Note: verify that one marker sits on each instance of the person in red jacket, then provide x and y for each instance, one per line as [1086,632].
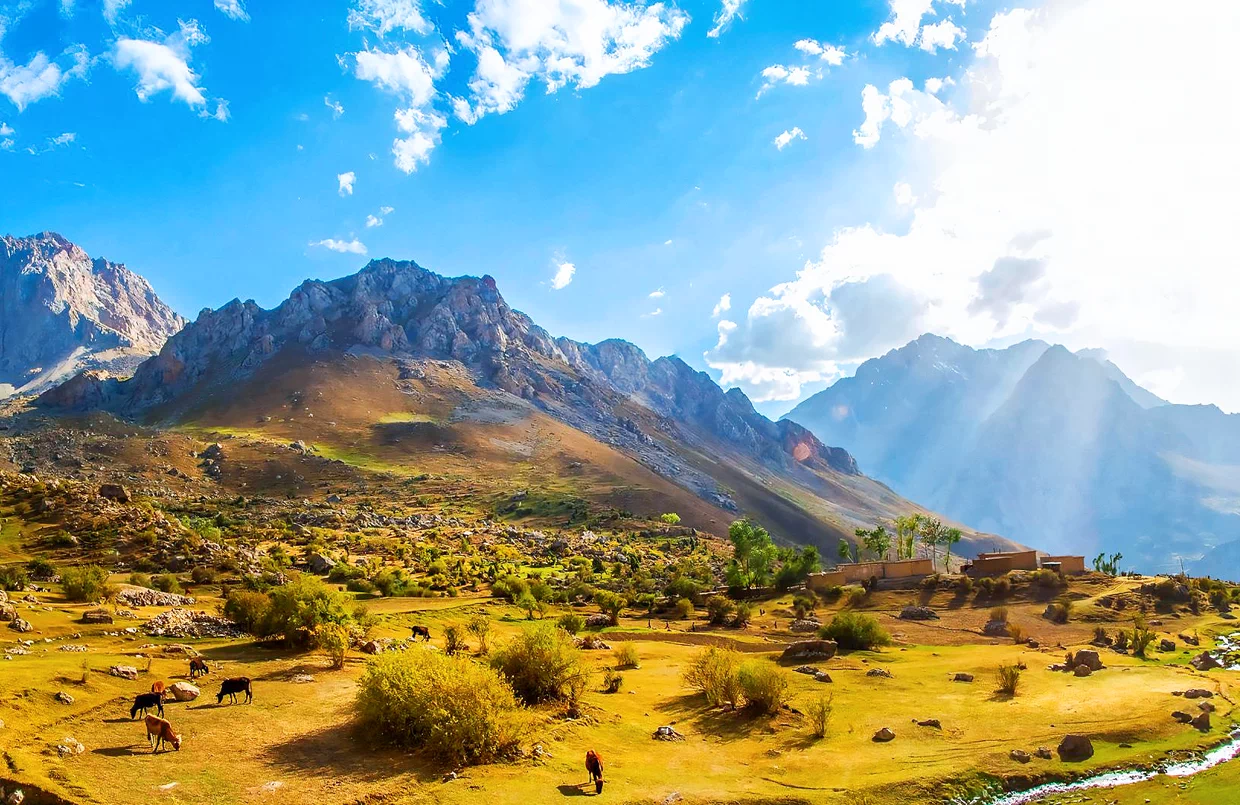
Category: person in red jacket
[594,765]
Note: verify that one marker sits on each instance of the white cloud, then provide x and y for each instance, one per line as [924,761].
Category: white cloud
[407,74]
[561,43]
[336,107]
[373,221]
[943,34]
[421,131]
[730,10]
[831,54]
[563,275]
[39,78]
[346,181]
[1062,202]
[903,192]
[64,139]
[386,210]
[113,8]
[233,9]
[794,133]
[781,74]
[667,242]
[6,130]
[165,65]
[722,306]
[353,246]
[658,311]
[657,294]
[384,16]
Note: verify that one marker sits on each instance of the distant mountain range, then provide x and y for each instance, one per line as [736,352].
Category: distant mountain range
[1053,449]
[404,367]
[61,312]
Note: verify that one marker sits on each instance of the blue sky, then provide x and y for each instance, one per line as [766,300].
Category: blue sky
[209,141]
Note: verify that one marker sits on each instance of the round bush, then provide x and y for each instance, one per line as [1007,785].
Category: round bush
[541,664]
[853,631]
[764,685]
[457,709]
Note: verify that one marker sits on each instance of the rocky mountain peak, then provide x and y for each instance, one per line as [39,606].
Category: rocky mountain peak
[61,312]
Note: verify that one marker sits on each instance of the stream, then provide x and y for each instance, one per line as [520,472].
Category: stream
[1229,750]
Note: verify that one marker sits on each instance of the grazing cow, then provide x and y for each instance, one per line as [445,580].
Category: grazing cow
[422,632]
[145,701]
[157,687]
[198,667]
[594,765]
[234,686]
[159,732]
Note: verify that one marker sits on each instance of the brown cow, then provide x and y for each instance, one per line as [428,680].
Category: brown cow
[422,632]
[198,667]
[159,732]
[594,765]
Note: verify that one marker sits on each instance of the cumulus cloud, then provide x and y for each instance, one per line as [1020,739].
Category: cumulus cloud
[781,74]
[41,77]
[903,192]
[560,43]
[233,9]
[1064,204]
[722,306]
[373,221]
[729,11]
[904,23]
[384,16]
[409,75]
[657,294]
[831,54]
[782,140]
[164,66]
[353,246]
[345,181]
[113,8]
[336,107]
[943,34]
[564,272]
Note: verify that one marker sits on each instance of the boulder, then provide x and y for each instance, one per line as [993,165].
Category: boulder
[1205,707]
[962,677]
[805,625]
[97,616]
[995,629]
[124,671]
[1075,748]
[883,736]
[1082,670]
[1182,717]
[1205,662]
[1190,639]
[809,650]
[822,676]
[15,797]
[63,698]
[114,492]
[883,672]
[1088,657]
[8,612]
[915,613]
[933,723]
[371,647]
[1166,645]
[1020,756]
[1043,752]
[1198,693]
[184,691]
[1202,722]
[598,621]
[806,669]
[320,564]
[19,625]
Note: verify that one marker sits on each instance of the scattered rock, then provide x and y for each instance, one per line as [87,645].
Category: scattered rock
[114,492]
[1075,748]
[806,669]
[592,642]
[187,623]
[1043,752]
[144,597]
[883,672]
[933,723]
[124,671]
[809,650]
[1082,670]
[63,698]
[70,747]
[1202,722]
[19,625]
[1020,756]
[962,677]
[598,621]
[915,613]
[805,625]
[1166,645]
[667,734]
[97,616]
[1198,693]
[883,736]
[15,797]
[1089,658]
[302,679]
[184,691]
[1205,662]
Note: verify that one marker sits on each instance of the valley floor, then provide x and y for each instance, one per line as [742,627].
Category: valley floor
[296,743]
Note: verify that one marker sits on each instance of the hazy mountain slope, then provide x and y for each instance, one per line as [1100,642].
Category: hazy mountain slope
[394,317]
[61,312]
[1071,459]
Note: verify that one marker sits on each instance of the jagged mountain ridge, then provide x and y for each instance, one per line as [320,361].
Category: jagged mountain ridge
[61,312]
[671,418]
[1046,446]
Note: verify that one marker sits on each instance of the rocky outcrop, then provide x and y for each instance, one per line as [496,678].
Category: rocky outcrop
[1075,748]
[62,312]
[809,651]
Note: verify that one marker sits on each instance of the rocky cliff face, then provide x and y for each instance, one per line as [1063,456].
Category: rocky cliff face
[61,312]
[610,390]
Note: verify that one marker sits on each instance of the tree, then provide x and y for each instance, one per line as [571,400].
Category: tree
[1108,565]
[950,538]
[671,518]
[480,627]
[844,552]
[796,565]
[931,531]
[877,541]
[753,551]
[907,528]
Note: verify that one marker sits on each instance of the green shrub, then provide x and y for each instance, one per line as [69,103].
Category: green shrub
[291,610]
[626,655]
[541,664]
[571,622]
[719,608]
[1121,641]
[1061,610]
[510,587]
[831,594]
[248,609]
[40,569]
[86,583]
[818,710]
[167,583]
[684,609]
[742,616]
[713,671]
[334,640]
[1142,637]
[141,580]
[454,639]
[454,708]
[611,605]
[204,575]
[612,681]
[1007,679]
[13,578]
[853,631]
[764,685]
[389,582]
[856,597]
[803,606]
[480,627]
[999,614]
[1048,579]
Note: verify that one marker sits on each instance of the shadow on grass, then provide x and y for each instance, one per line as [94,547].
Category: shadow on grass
[718,722]
[573,790]
[122,751]
[342,752]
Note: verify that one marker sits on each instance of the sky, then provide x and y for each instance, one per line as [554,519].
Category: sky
[774,190]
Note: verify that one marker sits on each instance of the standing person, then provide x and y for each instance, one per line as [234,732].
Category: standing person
[594,765]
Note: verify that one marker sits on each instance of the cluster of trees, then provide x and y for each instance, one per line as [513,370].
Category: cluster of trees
[910,529]
[1108,564]
[758,562]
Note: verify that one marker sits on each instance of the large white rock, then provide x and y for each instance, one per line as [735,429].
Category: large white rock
[184,691]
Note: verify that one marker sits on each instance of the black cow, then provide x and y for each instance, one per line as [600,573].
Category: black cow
[145,701]
[422,632]
[197,668]
[234,686]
